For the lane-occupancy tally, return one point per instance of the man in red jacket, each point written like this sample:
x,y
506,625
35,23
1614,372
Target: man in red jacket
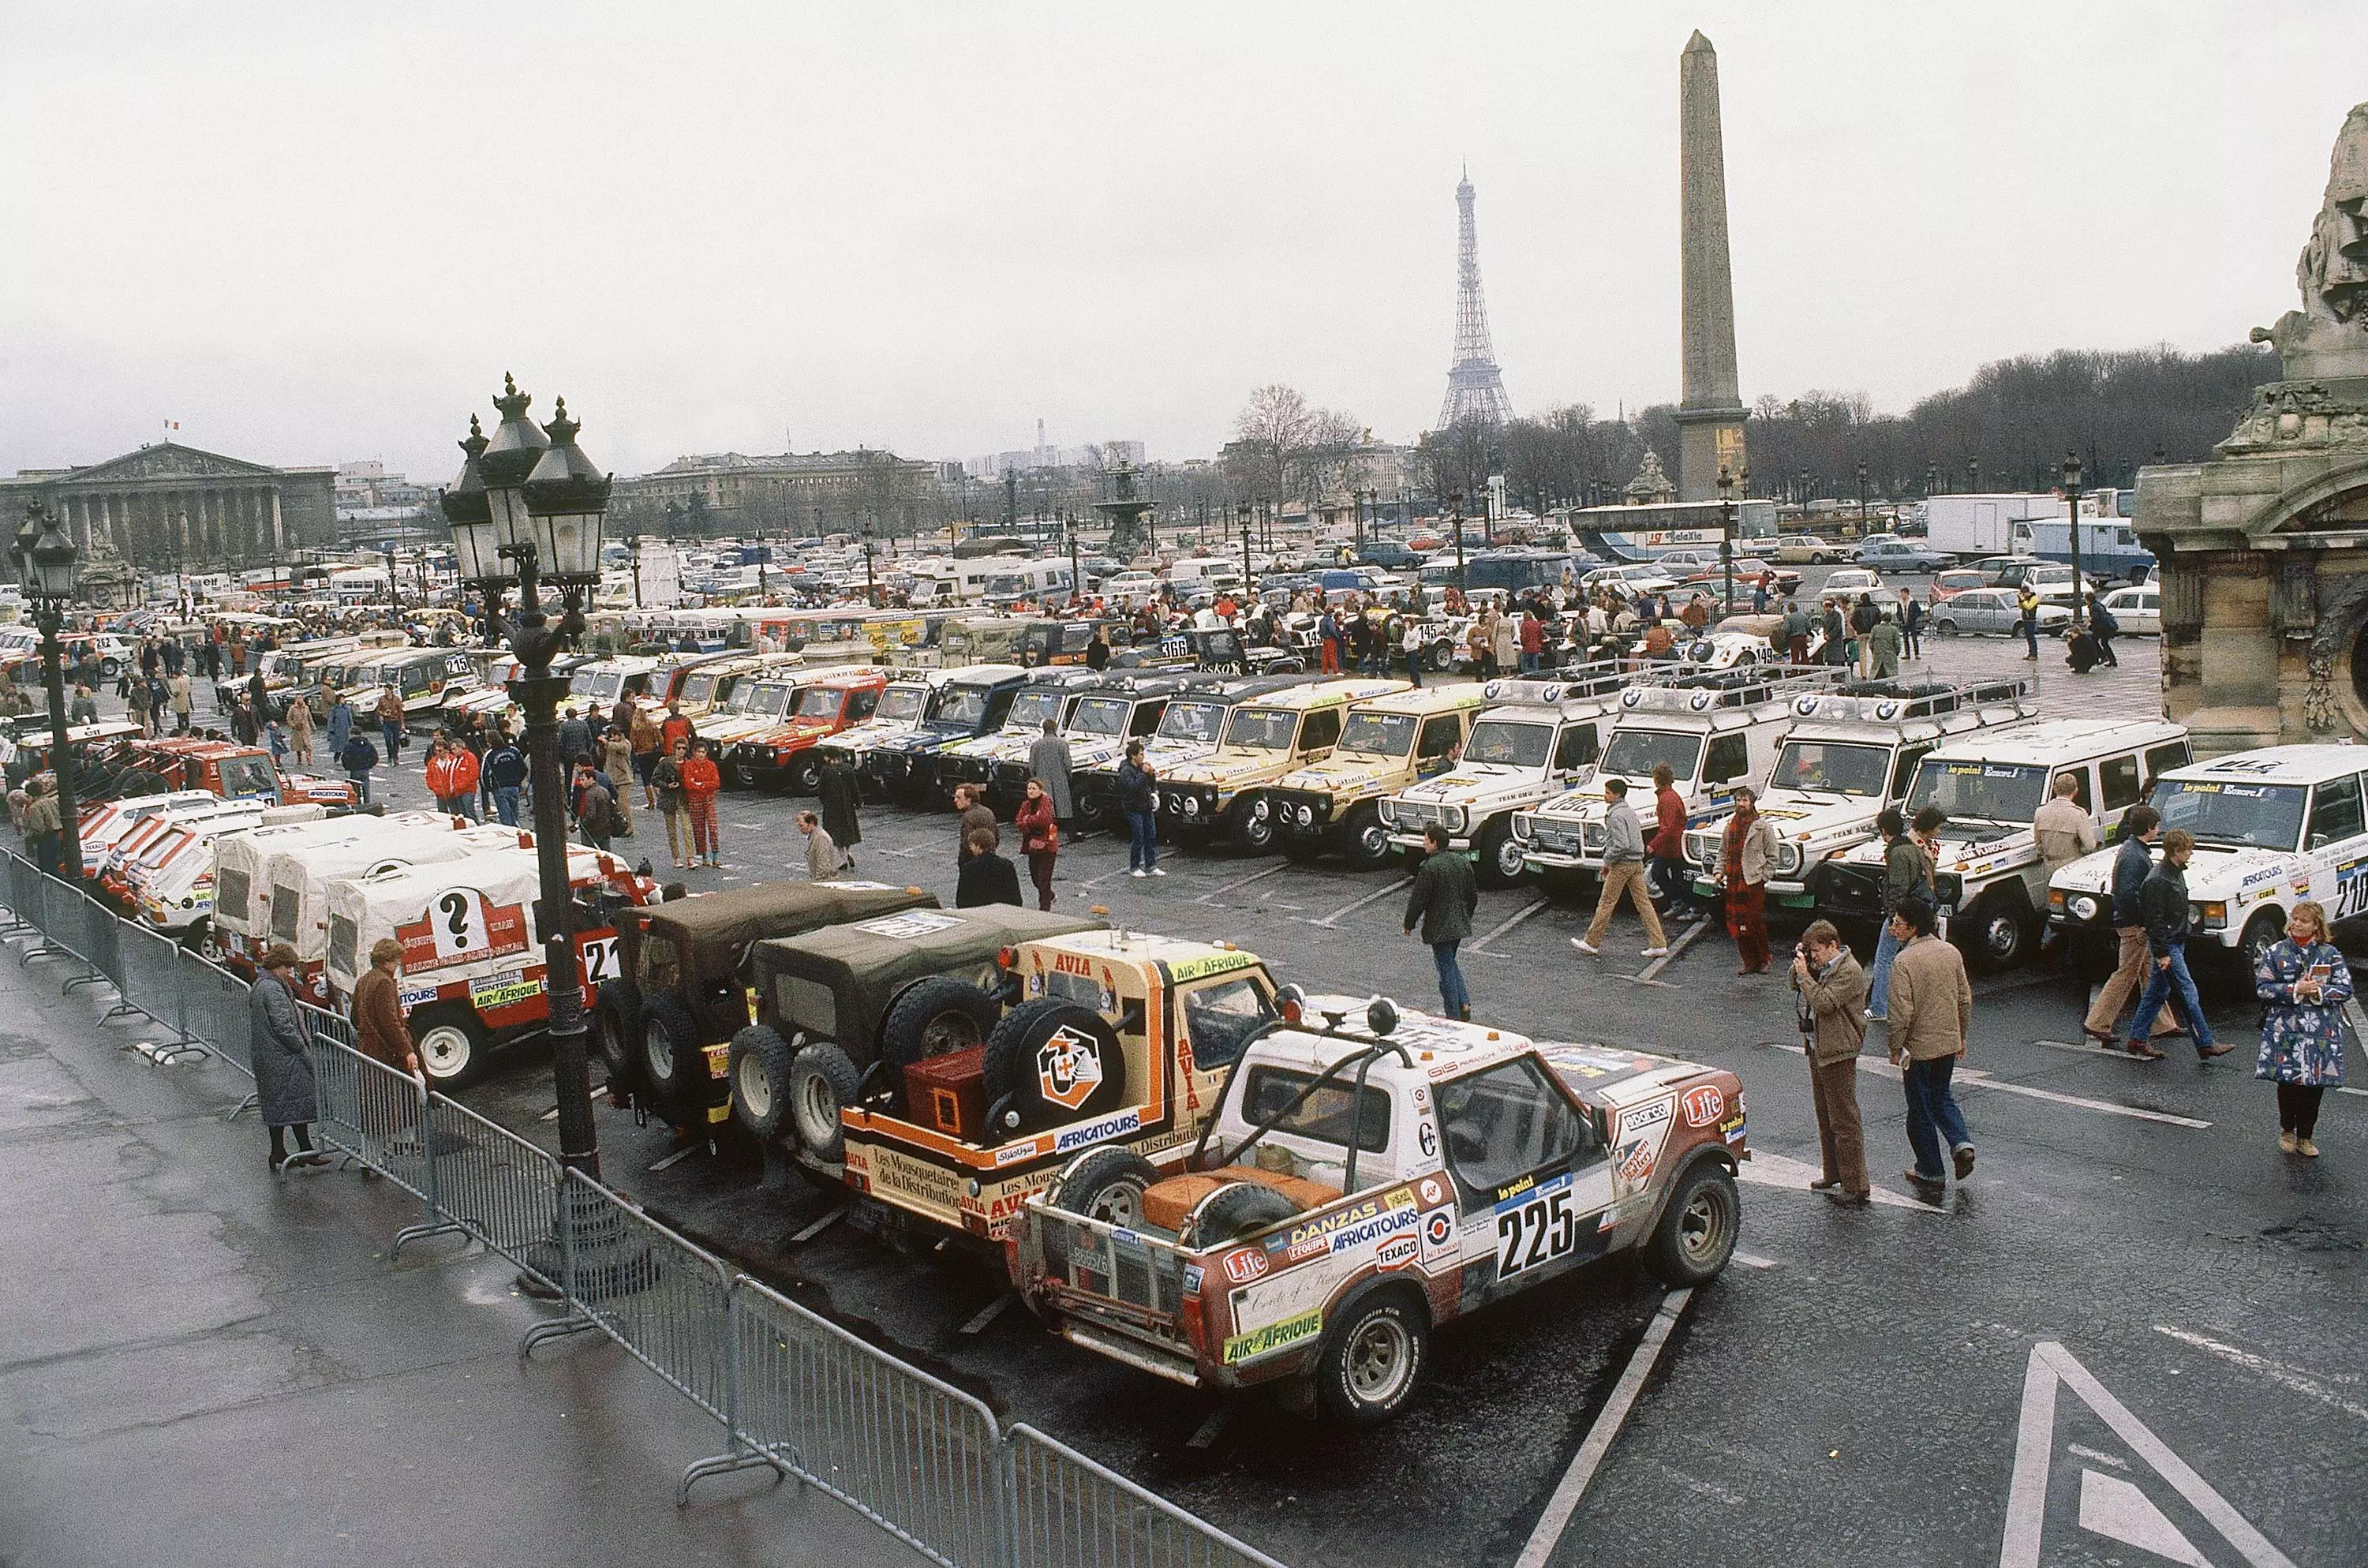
x,y
1666,850
452,776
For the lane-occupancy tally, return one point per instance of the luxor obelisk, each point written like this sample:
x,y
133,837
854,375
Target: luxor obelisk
x,y
1711,414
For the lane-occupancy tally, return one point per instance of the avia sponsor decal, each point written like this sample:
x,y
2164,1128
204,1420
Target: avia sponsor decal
x,y
459,927
1245,1266
1109,1127
1397,1254
1705,1105
1069,1068
1274,1336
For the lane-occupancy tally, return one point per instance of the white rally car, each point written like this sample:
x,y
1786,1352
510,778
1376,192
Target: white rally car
x,y
2272,827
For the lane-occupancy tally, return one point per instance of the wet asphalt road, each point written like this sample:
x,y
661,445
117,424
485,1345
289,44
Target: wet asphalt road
x,y
1856,1389
1850,1392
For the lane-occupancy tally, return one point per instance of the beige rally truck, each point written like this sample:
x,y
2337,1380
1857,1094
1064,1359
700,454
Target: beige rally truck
x,y
1222,797
1386,744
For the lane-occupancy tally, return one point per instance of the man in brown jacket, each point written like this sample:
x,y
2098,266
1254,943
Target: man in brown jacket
x,y
973,815
1931,1009
380,1032
1833,1000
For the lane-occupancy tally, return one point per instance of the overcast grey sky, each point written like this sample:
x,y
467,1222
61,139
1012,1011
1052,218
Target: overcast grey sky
x,y
316,231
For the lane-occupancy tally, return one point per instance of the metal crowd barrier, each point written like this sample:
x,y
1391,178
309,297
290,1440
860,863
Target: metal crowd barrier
x,y
793,1392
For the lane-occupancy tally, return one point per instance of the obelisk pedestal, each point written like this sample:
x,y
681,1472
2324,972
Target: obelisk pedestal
x,y
1711,414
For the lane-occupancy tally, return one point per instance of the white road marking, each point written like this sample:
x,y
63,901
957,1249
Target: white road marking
x,y
1507,924
1977,1078
2110,1052
2276,1371
678,1157
2114,1508
1692,934
1565,1499
1236,886
1764,1169
1374,897
1752,1259
2051,1367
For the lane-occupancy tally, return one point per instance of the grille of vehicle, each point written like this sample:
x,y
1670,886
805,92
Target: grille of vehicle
x,y
1554,837
1413,813
1701,850
1854,890
1301,809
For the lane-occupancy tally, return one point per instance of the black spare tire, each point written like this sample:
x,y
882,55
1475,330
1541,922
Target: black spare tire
x,y
1054,1062
760,1077
617,1033
1237,1210
820,1083
1105,1184
672,1058
933,1018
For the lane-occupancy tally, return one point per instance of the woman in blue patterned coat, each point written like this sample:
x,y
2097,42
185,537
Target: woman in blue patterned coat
x,y
2304,983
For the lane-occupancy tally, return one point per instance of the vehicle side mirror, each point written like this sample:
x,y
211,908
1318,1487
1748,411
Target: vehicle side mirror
x,y
2319,841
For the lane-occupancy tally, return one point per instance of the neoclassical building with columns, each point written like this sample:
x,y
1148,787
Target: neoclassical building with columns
x,y
173,508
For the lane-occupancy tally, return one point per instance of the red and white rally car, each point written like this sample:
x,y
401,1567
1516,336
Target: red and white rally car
x,y
1358,1189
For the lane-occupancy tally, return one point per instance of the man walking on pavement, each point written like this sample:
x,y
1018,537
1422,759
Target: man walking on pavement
x,y
2063,830
2132,863
1666,850
1623,873
1445,894
1048,759
2162,904
1833,999
1931,1009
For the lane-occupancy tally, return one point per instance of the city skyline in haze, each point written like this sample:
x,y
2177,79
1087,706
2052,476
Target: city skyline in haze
x,y
317,235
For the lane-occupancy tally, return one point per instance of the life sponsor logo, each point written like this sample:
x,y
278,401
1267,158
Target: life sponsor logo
x,y
1245,1265
1109,1127
1273,1337
1704,1105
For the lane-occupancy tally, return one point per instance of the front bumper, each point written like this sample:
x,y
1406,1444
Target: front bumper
x,y
1561,847
1187,807
1301,813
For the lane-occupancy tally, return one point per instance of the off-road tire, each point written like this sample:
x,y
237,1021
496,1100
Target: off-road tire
x,y
1235,1211
1364,841
1105,1184
805,775
760,1077
1011,1069
1698,1229
821,1079
1254,831
617,1033
454,1045
1375,1357
934,1017
672,1062
1495,844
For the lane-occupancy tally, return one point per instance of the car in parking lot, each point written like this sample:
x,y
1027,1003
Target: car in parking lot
x,y
1993,612
1949,584
2138,610
1636,577
1808,550
1854,580
1899,555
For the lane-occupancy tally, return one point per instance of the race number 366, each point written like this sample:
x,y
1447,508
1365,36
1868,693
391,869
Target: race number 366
x,y
1539,1230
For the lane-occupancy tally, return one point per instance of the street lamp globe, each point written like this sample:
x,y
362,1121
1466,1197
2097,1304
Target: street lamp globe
x,y
2072,473
518,445
567,499
53,558
471,516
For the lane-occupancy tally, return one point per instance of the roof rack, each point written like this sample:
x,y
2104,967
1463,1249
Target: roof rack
x,y
1887,702
1744,686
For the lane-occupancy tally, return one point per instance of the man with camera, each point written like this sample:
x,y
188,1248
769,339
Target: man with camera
x,y
1833,1024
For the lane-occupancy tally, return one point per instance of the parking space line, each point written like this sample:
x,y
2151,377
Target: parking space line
x,y
1510,921
1977,1078
1565,1499
1374,897
1255,877
1677,949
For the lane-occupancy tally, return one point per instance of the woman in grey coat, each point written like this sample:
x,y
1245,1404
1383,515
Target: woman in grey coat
x,y
284,1085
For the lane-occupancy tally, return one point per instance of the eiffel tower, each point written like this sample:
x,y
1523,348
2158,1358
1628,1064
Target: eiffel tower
x,y
1474,390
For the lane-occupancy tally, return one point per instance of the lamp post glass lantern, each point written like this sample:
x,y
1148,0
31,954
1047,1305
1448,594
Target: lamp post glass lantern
x,y
2072,508
1726,536
45,561
528,495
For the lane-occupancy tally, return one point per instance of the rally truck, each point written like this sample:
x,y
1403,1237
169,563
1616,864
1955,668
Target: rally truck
x,y
1526,747
105,822
789,756
238,773
1990,881
903,704
1851,754
978,760
1120,1040
1716,733
760,698
850,1009
2272,827
1106,714
472,955
1190,729
1386,744
969,701
1357,1187
679,986
1222,797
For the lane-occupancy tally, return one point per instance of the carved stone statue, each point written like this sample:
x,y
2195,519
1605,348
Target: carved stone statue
x,y
2328,339
1651,486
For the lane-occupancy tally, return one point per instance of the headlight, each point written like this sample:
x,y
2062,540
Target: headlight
x,y
1306,815
1258,809
1192,805
1455,819
1389,813
1522,824
2212,916
2082,908
1949,887
1788,857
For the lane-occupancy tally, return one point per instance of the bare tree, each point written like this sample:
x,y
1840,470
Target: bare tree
x,y
1285,449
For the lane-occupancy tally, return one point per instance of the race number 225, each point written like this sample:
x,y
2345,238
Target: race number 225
x,y
1539,1230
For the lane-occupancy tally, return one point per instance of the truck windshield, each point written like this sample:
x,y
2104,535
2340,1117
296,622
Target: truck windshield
x,y
1101,716
583,683
962,705
818,702
1634,754
902,704
1831,766
1514,745
1030,709
2236,816
243,776
2004,793
1323,1116
1378,734
602,689
698,688
1263,729
1201,722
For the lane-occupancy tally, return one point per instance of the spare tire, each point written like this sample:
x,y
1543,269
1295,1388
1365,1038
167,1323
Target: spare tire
x,y
1235,1209
820,1083
933,1018
617,1033
761,1080
672,1059
1105,1184
1054,1062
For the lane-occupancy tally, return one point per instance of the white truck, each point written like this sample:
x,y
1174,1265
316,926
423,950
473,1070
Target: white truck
x,y
1985,525
1991,885
1849,756
2272,827
1715,738
1540,735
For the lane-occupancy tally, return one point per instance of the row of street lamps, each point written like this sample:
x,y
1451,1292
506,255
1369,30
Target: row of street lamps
x,y
45,563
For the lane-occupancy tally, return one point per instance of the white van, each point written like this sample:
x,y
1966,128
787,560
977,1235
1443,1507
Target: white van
x,y
1205,574
1028,581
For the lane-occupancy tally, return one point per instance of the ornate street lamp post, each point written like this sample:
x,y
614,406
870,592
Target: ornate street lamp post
x,y
1726,534
1861,500
530,496
2072,500
1455,511
45,566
